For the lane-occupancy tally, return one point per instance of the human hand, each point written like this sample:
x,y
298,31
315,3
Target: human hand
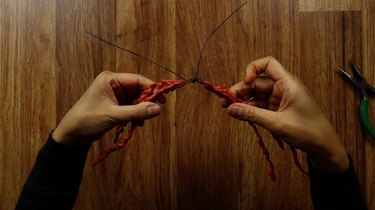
x,y
283,105
105,104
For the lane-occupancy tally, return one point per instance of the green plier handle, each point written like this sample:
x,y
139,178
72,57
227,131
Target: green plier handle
x,y
363,111
359,81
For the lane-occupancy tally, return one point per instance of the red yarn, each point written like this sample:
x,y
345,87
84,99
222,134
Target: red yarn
x,y
120,143
166,86
150,94
265,152
296,161
224,92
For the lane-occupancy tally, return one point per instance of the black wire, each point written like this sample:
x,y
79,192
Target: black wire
x,y
194,79
205,43
134,53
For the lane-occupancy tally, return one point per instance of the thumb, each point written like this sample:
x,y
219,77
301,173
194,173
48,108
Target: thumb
x,y
141,111
263,117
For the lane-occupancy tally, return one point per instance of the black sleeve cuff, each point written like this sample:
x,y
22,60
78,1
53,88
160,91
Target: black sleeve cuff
x,y
55,178
336,190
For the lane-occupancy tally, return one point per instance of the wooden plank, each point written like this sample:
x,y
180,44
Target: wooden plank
x,y
193,156
145,166
207,158
275,35
332,5
330,39
27,77
149,160
368,70
80,59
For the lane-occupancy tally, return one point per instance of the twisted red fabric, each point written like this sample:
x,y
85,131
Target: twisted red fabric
x,y
156,89
150,94
266,154
166,86
296,161
224,92
120,143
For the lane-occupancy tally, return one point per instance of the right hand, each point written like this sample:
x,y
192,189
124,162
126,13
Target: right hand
x,y
284,106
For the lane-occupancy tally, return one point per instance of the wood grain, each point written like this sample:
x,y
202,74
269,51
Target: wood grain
x,y
332,5
27,81
368,69
193,156
333,47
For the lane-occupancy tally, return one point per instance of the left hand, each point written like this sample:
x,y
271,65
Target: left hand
x,y
105,104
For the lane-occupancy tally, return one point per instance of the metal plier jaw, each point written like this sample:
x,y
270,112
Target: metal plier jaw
x,y
360,82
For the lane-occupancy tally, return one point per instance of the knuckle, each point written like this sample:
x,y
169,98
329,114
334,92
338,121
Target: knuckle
x,y
141,111
249,114
249,65
105,74
136,114
271,58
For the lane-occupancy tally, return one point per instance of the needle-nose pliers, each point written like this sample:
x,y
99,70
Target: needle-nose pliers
x,y
360,82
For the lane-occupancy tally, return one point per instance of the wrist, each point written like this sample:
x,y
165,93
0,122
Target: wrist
x,y
61,137
329,155
66,134
334,164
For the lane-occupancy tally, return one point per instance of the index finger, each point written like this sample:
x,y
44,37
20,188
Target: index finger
x,y
129,80
268,65
124,85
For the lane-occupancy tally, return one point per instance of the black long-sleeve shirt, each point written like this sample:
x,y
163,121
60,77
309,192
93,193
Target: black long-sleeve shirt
x,y
336,191
54,182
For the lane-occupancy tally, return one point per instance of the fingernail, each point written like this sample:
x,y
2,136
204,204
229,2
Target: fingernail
x,y
236,111
153,109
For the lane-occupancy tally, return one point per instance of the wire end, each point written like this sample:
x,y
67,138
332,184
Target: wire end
x,y
196,79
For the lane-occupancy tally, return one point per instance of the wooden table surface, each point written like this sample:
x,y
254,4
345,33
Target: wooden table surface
x,y
193,156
